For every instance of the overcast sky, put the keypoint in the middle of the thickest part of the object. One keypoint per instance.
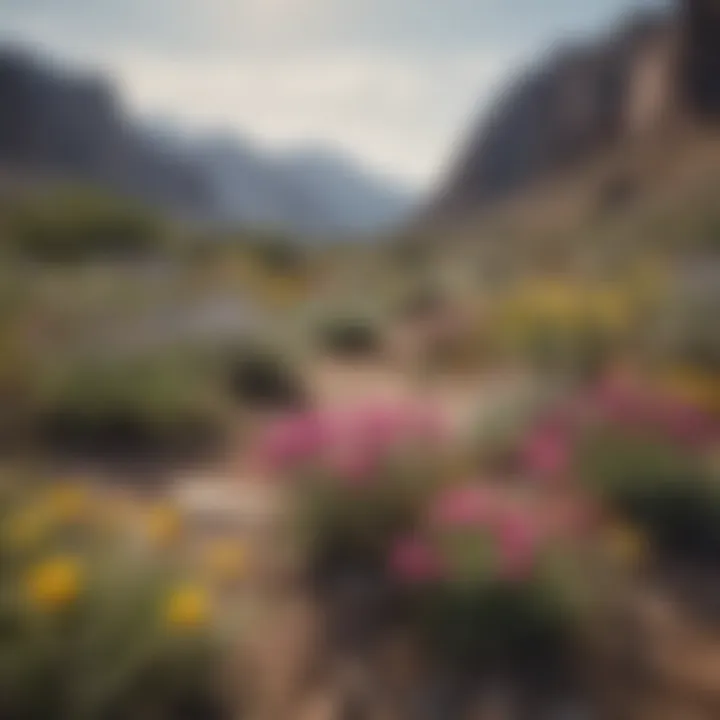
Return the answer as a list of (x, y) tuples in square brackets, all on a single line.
[(395, 83)]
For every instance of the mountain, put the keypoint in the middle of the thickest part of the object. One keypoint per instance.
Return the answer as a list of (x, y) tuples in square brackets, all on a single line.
[(310, 191), (54, 125), (57, 125), (652, 74)]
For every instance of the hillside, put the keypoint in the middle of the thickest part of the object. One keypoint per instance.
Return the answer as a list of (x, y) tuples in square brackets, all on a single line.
[(59, 126), (638, 86)]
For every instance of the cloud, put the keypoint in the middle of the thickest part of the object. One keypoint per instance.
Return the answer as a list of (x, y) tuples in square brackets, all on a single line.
[(398, 114), (396, 82)]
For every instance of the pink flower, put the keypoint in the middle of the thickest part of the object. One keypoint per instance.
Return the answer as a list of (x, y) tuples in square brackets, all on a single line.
[(291, 441), (428, 425), (547, 453), (518, 540), (414, 561), (464, 506), (355, 465)]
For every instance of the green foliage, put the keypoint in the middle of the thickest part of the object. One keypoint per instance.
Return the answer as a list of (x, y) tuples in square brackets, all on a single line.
[(261, 376), (349, 335), (68, 226), (529, 626), (145, 404), (668, 490), (86, 613), (277, 254)]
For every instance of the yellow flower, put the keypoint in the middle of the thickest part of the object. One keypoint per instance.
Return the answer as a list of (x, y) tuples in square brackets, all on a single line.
[(55, 583), (68, 502), (188, 607), (626, 545), (226, 560), (164, 524)]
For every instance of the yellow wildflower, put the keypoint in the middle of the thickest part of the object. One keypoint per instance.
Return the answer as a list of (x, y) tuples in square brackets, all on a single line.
[(188, 607), (626, 545), (226, 560), (164, 524), (55, 583)]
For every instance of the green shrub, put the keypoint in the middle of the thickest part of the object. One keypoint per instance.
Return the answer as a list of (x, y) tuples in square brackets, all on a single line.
[(666, 489), (261, 376), (94, 624), (75, 225), (349, 336), (277, 254), (145, 404)]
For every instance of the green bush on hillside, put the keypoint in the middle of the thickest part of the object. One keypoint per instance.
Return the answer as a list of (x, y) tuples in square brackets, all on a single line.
[(75, 225), (349, 335)]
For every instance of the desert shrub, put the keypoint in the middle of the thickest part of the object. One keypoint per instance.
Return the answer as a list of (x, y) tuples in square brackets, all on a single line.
[(75, 225), (259, 375), (490, 585), (662, 487), (563, 329), (147, 404), (97, 621), (277, 254), (349, 335)]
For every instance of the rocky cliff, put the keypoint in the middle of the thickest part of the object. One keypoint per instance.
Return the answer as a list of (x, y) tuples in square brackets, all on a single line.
[(581, 102), (70, 127)]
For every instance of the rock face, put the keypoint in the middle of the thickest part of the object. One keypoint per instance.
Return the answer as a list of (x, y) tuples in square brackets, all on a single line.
[(585, 100), (701, 55), (72, 127)]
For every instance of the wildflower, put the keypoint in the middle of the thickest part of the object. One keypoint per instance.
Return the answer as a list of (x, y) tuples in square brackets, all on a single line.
[(55, 583), (188, 607), (518, 542), (292, 440), (547, 453), (412, 560), (464, 506)]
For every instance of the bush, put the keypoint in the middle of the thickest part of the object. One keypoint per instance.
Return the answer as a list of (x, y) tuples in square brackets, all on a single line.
[(278, 255), (664, 488), (260, 376), (350, 336), (491, 586), (562, 329), (96, 622), (361, 478), (140, 405), (74, 225)]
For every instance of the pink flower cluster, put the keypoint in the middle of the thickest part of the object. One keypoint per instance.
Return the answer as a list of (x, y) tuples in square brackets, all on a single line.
[(351, 444), (638, 408), (481, 513)]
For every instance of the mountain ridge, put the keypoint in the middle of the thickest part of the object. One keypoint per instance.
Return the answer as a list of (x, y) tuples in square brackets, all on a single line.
[(59, 124)]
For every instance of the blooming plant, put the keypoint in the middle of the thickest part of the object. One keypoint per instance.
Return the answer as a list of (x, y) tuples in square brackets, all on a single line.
[(99, 621), (362, 476), (493, 577)]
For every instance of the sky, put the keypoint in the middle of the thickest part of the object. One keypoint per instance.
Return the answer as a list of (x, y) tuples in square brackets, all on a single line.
[(397, 84)]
